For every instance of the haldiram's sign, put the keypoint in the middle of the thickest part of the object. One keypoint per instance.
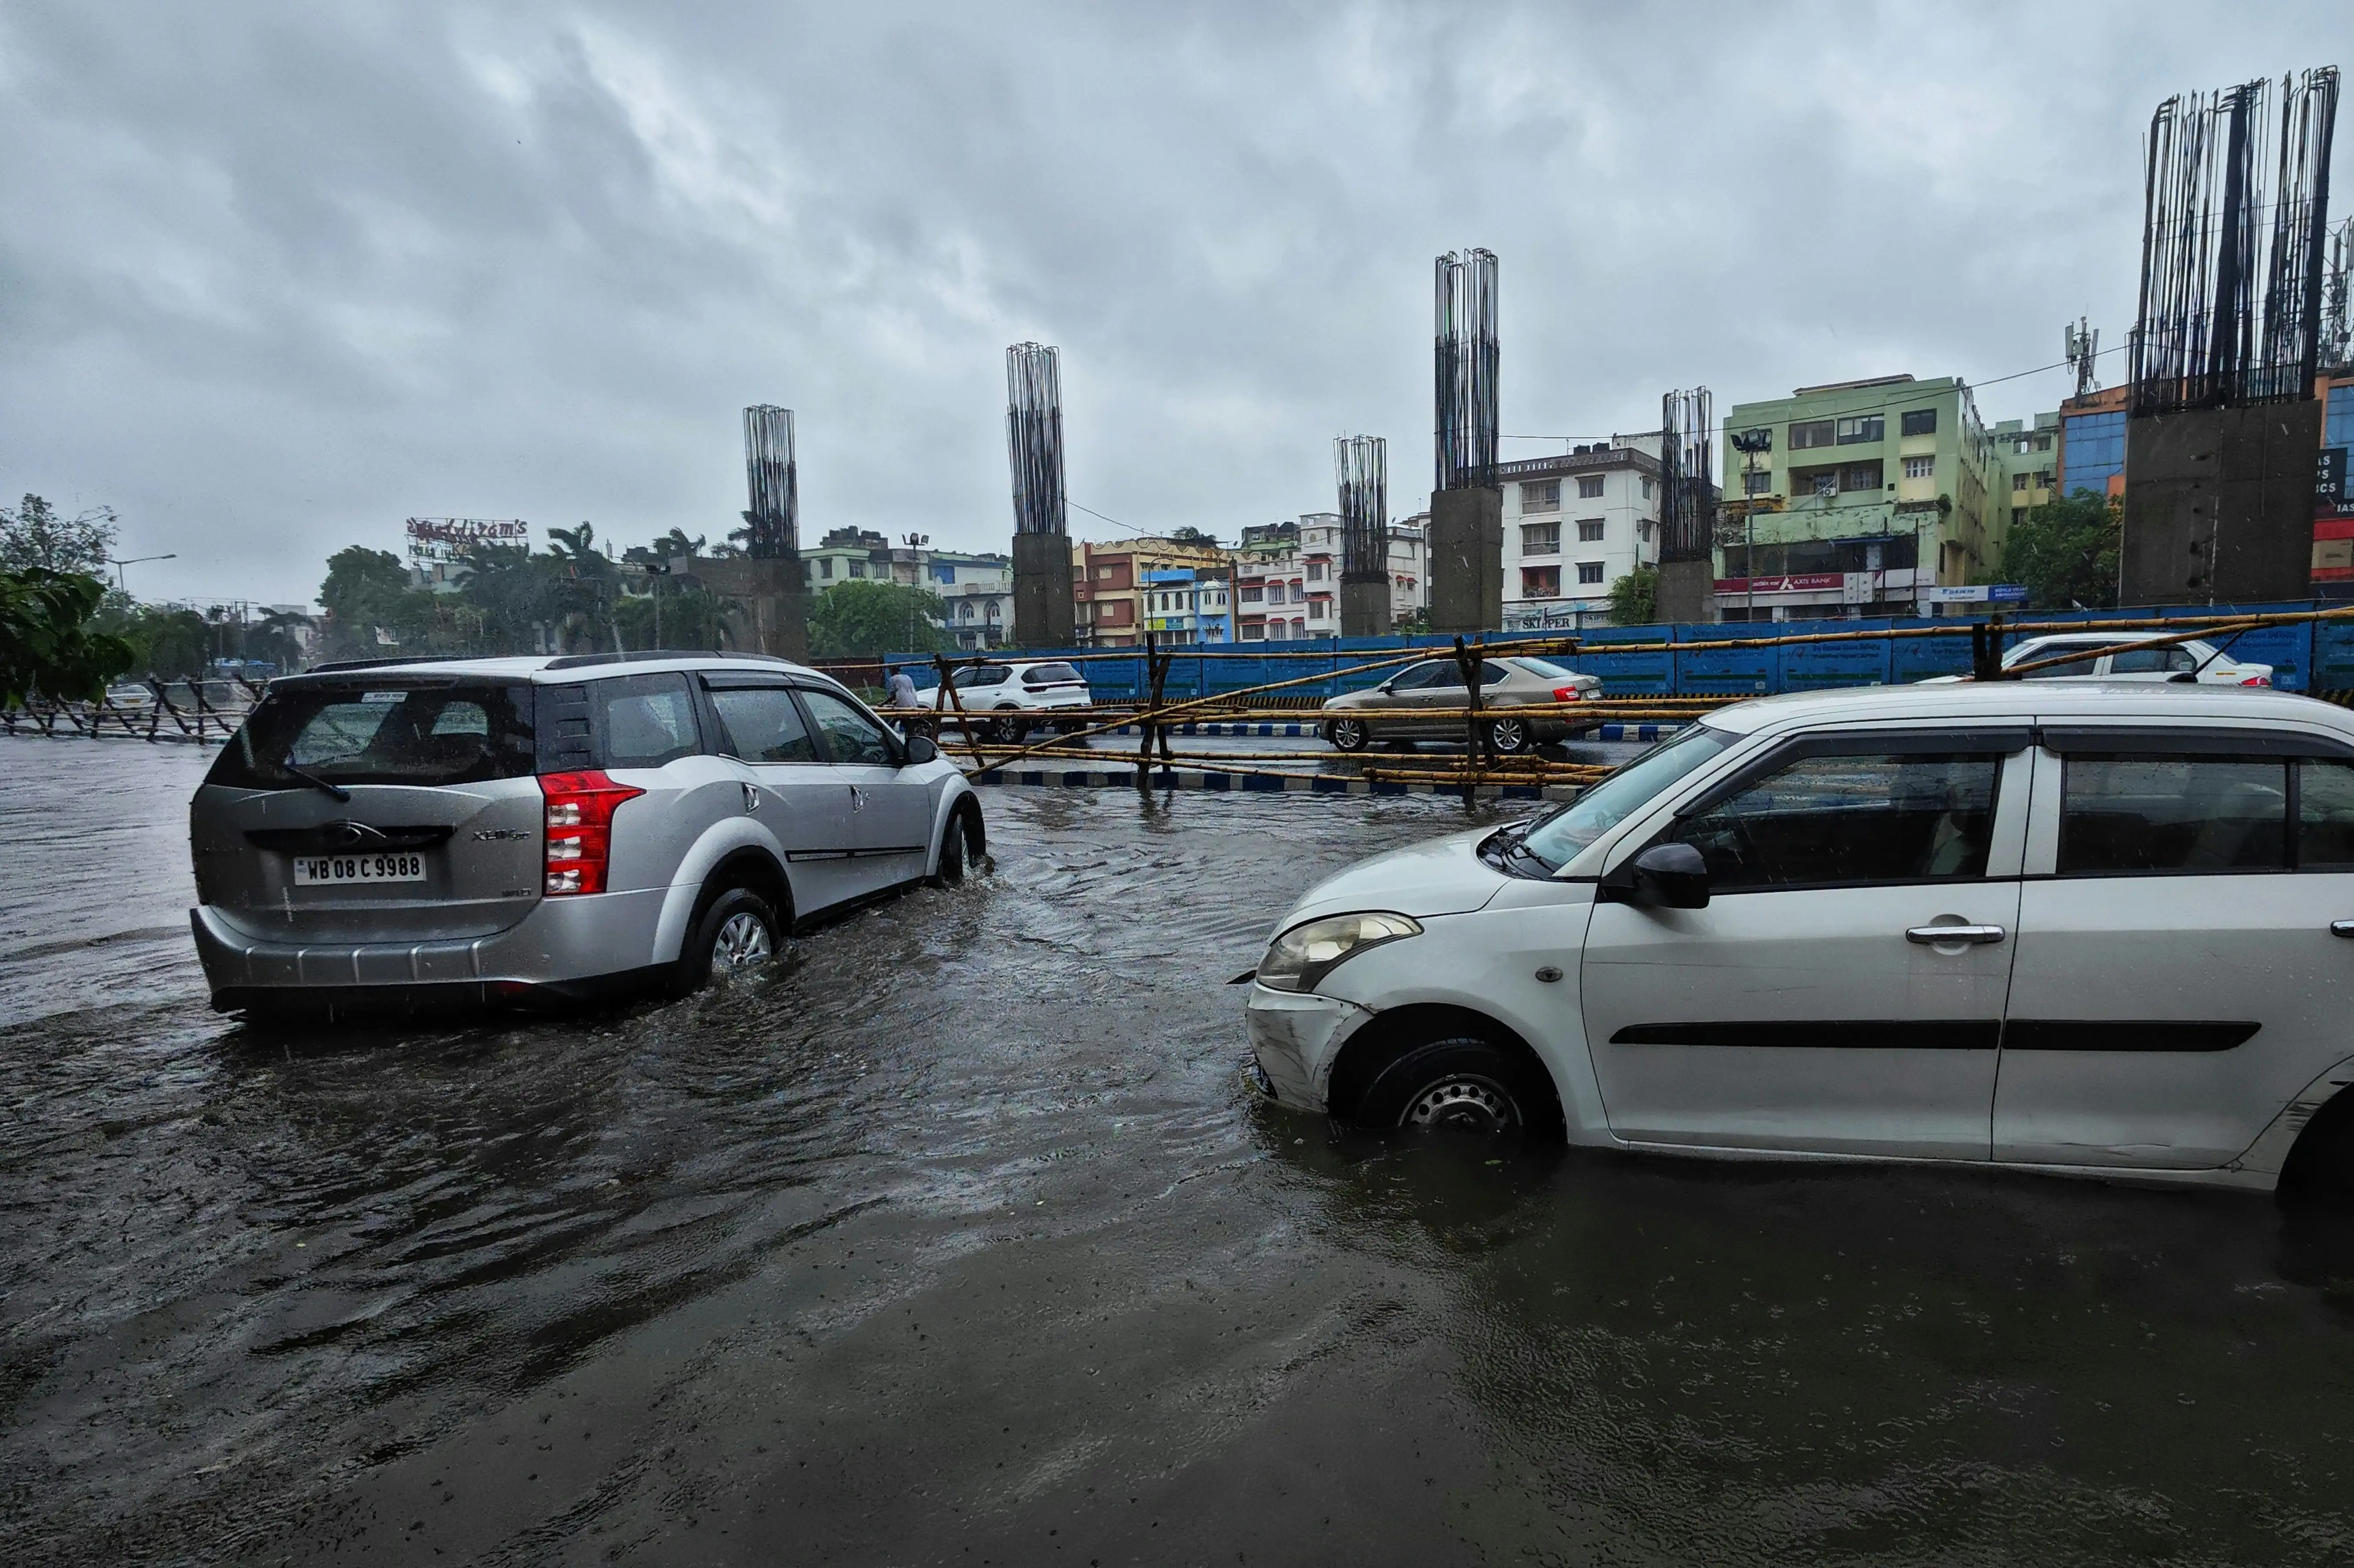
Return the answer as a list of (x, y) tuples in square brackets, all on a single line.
[(446, 539)]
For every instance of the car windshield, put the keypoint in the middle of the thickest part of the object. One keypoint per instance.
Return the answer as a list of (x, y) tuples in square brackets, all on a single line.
[(1556, 839), (382, 733)]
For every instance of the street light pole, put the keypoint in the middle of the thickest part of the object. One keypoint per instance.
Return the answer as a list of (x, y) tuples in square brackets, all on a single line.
[(119, 584)]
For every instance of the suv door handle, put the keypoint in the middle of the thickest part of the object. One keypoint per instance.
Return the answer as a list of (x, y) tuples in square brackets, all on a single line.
[(1931, 936), (2341, 928)]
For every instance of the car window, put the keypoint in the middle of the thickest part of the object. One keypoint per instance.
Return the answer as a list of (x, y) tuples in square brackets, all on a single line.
[(2154, 812), (2150, 661), (1416, 676), (1546, 668), (2325, 816), (1864, 818), (1048, 674), (2026, 654), (645, 720), (1490, 672), (850, 736), (981, 675), (427, 735), (763, 724), (1556, 839)]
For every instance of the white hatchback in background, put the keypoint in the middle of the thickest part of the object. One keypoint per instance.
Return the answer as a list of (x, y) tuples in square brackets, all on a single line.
[(2185, 663), (1008, 701), (2091, 929)]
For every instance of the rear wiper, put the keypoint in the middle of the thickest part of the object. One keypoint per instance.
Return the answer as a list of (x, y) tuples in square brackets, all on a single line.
[(337, 791)]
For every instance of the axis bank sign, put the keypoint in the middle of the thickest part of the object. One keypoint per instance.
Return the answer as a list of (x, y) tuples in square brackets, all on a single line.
[(1805, 582)]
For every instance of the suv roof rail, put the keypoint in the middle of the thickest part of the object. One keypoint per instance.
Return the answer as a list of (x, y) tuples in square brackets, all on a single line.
[(332, 665), (578, 661)]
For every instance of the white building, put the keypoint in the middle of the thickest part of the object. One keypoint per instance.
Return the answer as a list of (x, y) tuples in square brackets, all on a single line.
[(1288, 578), (1573, 526)]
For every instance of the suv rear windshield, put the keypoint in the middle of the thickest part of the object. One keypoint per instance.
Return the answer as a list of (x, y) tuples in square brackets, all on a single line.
[(1048, 674), (382, 732)]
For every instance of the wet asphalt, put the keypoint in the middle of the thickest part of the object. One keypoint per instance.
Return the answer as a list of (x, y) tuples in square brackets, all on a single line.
[(956, 1237)]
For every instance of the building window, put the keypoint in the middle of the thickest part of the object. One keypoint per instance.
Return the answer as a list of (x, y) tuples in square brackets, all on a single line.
[(1589, 530), (2043, 480), (1541, 495), (858, 569), (1589, 571), (1298, 593), (1827, 482), (1539, 539), (2043, 441), (1919, 422), (1647, 490), (1812, 433), (1539, 582), (1758, 483), (1920, 468), (1863, 427), (1589, 487), (2019, 483), (1254, 595), (1315, 571), (2017, 515), (825, 566), (1859, 476), (1316, 611), (1103, 574)]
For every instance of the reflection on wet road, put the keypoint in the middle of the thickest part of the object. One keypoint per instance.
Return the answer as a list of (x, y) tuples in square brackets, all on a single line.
[(956, 1237)]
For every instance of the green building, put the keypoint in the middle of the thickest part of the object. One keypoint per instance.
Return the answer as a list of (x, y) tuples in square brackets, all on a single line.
[(1855, 498)]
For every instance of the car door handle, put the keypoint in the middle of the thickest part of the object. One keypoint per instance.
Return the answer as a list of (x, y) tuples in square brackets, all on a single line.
[(2341, 928), (1932, 936)]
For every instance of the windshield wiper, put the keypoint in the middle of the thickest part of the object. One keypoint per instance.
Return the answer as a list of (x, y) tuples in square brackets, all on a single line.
[(337, 791)]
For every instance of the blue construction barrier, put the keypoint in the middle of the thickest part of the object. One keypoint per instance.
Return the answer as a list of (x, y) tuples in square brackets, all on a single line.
[(2308, 656)]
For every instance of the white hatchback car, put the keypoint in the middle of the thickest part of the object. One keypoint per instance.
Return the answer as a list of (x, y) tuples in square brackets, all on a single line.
[(2097, 930), (2185, 663), (1015, 697)]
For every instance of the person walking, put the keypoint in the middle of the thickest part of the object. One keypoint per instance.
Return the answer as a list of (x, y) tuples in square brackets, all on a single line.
[(901, 687)]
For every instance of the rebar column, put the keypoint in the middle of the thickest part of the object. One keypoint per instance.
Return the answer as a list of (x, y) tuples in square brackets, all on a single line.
[(1043, 606), (772, 587), (1361, 467), (1467, 509)]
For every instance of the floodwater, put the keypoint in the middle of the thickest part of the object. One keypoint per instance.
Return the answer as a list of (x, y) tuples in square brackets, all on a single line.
[(956, 1237)]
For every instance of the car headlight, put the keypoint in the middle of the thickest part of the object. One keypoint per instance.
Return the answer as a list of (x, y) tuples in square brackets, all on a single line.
[(1300, 958)]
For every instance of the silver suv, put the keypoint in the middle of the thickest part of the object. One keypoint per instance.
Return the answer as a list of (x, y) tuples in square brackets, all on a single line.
[(510, 830)]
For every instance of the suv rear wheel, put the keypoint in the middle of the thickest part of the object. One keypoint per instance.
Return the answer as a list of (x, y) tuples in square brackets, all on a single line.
[(960, 844), (1010, 728), (738, 930)]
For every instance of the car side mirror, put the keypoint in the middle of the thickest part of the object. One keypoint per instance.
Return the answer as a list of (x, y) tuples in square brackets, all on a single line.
[(1669, 876), (919, 751)]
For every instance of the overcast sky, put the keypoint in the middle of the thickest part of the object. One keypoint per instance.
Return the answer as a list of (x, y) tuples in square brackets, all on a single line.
[(273, 278)]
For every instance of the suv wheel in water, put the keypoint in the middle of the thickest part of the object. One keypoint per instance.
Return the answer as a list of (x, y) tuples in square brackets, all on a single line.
[(738, 930), (1460, 1083), (1346, 735), (960, 845), (1010, 728), (1508, 736)]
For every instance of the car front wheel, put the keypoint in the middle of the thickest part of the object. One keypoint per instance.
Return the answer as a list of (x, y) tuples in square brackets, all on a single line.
[(1346, 735), (1460, 1083)]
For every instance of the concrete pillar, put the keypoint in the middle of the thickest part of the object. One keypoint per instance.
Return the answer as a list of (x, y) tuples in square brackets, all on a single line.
[(1365, 607), (1467, 560), (766, 600), (2219, 504), (1043, 613), (1687, 592)]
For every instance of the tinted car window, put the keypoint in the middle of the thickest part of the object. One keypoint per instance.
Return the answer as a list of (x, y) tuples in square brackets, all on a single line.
[(1048, 674), (645, 720), (2325, 816), (763, 724), (1864, 818), (2082, 666), (2150, 661), (850, 736), (386, 734), (981, 675), (1416, 676), (2159, 813)]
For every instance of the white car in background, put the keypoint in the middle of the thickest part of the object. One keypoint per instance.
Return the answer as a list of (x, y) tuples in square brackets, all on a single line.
[(1008, 701), (2184, 664)]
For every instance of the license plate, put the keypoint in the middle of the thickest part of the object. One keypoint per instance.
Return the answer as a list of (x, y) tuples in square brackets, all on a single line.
[(319, 870)]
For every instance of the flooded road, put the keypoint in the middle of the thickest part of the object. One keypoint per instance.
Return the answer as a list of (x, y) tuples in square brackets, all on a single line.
[(956, 1237)]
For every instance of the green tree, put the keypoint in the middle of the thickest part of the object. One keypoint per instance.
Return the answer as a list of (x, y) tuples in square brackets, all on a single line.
[(48, 643), (370, 605), (863, 618), (1635, 598), (1192, 536), (2066, 552), (33, 534)]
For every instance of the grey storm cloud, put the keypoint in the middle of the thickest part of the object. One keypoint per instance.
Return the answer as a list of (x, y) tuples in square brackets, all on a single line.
[(275, 277)]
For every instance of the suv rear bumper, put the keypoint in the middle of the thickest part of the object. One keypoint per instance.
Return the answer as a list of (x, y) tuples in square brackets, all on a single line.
[(566, 949)]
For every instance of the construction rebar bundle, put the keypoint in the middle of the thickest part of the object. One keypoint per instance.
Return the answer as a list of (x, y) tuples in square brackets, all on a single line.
[(1466, 364), (1034, 436), (2337, 323), (1360, 466), (772, 521), (2230, 312), (1687, 467)]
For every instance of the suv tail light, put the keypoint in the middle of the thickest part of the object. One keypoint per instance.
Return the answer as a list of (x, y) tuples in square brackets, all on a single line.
[(580, 808), (1566, 694)]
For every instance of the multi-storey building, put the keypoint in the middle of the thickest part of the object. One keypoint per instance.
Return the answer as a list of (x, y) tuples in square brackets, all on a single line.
[(845, 554), (2030, 465), (1853, 497), (1270, 585), (1107, 585), (1287, 577), (1187, 606), (1575, 524)]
